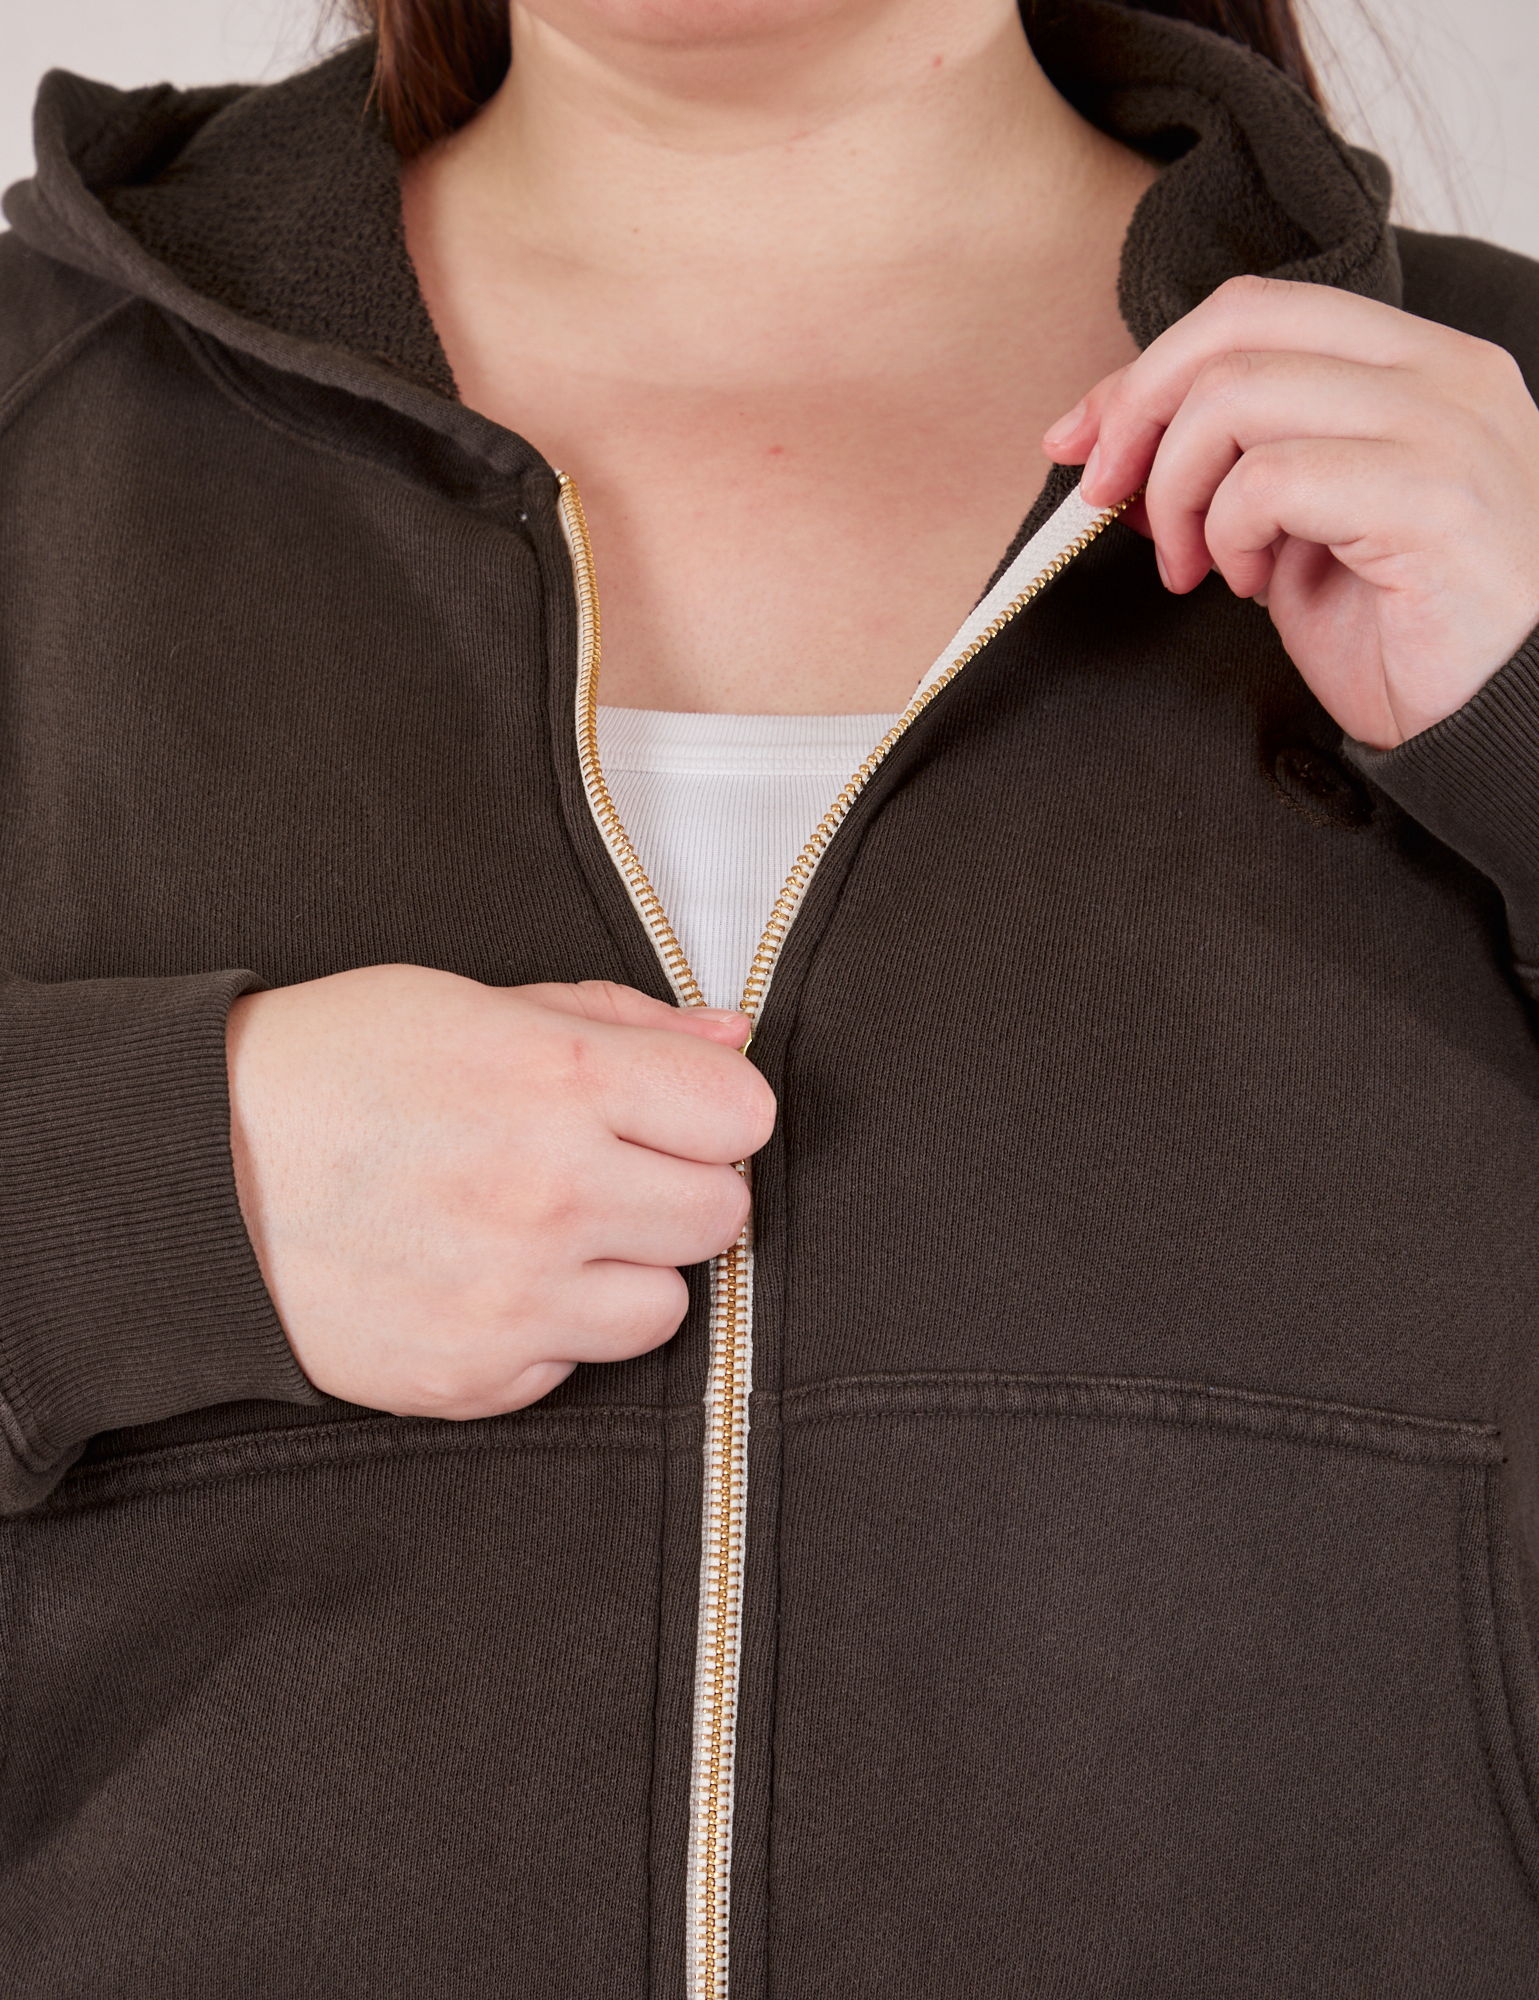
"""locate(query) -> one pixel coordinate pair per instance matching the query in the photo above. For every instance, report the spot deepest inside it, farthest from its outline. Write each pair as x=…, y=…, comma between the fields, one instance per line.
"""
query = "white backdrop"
x=1446, y=89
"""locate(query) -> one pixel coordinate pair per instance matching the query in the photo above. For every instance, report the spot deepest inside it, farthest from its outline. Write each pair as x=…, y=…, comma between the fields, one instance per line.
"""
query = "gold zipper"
x=730, y=1374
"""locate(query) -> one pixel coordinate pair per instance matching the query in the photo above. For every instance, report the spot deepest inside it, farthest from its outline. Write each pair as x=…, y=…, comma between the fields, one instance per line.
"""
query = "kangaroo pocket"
x=1117, y=1688
x=357, y=1708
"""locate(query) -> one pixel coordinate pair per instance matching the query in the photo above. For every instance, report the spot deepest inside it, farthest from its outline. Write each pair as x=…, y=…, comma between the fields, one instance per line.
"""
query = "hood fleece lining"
x=280, y=204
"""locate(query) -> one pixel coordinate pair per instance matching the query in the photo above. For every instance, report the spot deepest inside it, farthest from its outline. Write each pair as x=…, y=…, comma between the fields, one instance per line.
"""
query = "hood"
x=1256, y=181
x=269, y=217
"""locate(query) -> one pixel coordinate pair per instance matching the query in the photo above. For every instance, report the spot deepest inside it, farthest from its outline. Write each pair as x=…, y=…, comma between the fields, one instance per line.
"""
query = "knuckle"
x=1503, y=369
x=1486, y=354
x=1258, y=476
x=491, y=1311
x=1226, y=374
x=741, y=1107
x=553, y=1210
x=722, y=1210
x=655, y=1306
x=1246, y=289
x=668, y=1304
x=531, y=1382
x=759, y=1111
x=735, y=1206
x=608, y=995
x=440, y=1386
x=479, y=1213
x=1123, y=396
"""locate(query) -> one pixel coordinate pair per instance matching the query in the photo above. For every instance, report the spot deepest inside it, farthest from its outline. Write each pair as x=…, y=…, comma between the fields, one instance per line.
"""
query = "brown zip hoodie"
x=1143, y=1494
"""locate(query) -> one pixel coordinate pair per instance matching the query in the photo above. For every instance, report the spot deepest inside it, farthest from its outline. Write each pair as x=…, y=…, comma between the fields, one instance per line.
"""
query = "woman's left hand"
x=1372, y=478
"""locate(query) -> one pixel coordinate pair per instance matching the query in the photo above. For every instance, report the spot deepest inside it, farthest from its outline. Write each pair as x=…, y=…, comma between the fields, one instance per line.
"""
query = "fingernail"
x=1159, y=563
x=720, y=1014
x=1092, y=467
x=1066, y=426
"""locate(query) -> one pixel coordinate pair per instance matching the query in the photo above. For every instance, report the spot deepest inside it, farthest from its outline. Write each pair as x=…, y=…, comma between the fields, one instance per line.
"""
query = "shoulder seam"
x=210, y=356
x=63, y=350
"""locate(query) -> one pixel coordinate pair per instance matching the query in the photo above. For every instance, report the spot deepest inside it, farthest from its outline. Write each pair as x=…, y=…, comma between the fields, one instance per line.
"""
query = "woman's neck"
x=810, y=142
x=793, y=301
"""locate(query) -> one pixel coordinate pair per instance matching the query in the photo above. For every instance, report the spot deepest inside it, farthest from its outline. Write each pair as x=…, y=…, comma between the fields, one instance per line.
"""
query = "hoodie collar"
x=270, y=218
x=1256, y=179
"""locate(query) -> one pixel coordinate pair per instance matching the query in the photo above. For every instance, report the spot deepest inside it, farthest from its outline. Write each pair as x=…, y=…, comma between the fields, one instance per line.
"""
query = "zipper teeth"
x=618, y=841
x=802, y=869
x=721, y=1605
x=729, y=1380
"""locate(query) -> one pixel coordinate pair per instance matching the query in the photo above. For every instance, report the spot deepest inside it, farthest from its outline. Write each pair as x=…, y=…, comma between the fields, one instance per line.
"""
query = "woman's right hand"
x=457, y=1192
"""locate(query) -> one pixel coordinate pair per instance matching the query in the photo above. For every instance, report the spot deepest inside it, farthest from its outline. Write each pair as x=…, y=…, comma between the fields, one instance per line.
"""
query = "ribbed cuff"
x=129, y=1290
x=1473, y=781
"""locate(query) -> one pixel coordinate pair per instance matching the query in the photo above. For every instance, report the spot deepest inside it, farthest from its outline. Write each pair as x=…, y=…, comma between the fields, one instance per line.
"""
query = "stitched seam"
x=65, y=349
x=659, y=1586
x=1403, y=1439
x=1494, y=1527
x=1467, y=1633
x=771, y=1713
x=1155, y=1422
x=11, y=1637
x=130, y=1479
x=91, y=1503
x=1469, y=1590
x=1145, y=1385
x=205, y=355
x=577, y=820
x=26, y=1454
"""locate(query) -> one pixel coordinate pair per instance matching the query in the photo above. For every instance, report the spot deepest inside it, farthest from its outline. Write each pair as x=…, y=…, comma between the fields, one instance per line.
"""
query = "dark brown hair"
x=440, y=60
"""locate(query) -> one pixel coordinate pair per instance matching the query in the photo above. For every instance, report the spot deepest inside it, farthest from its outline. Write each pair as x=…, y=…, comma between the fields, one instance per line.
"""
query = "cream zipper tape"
x=1071, y=527
x=719, y=1635
x=718, y=1644
x=638, y=886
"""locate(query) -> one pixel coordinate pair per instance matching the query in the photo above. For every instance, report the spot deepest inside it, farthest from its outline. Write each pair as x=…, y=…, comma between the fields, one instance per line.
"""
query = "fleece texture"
x=1143, y=1498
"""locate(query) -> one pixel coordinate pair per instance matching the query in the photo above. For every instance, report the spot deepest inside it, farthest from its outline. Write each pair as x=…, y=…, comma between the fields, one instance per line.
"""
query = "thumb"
x=623, y=1007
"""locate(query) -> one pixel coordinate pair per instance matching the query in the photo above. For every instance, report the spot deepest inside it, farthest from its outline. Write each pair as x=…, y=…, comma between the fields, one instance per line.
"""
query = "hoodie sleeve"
x=129, y=1290
x=1473, y=781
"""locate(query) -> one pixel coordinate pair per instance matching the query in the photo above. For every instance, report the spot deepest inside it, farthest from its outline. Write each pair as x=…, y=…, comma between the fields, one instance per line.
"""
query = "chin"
x=707, y=25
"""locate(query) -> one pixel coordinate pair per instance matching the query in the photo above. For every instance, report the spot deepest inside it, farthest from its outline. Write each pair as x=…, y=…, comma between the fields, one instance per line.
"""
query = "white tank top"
x=717, y=808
